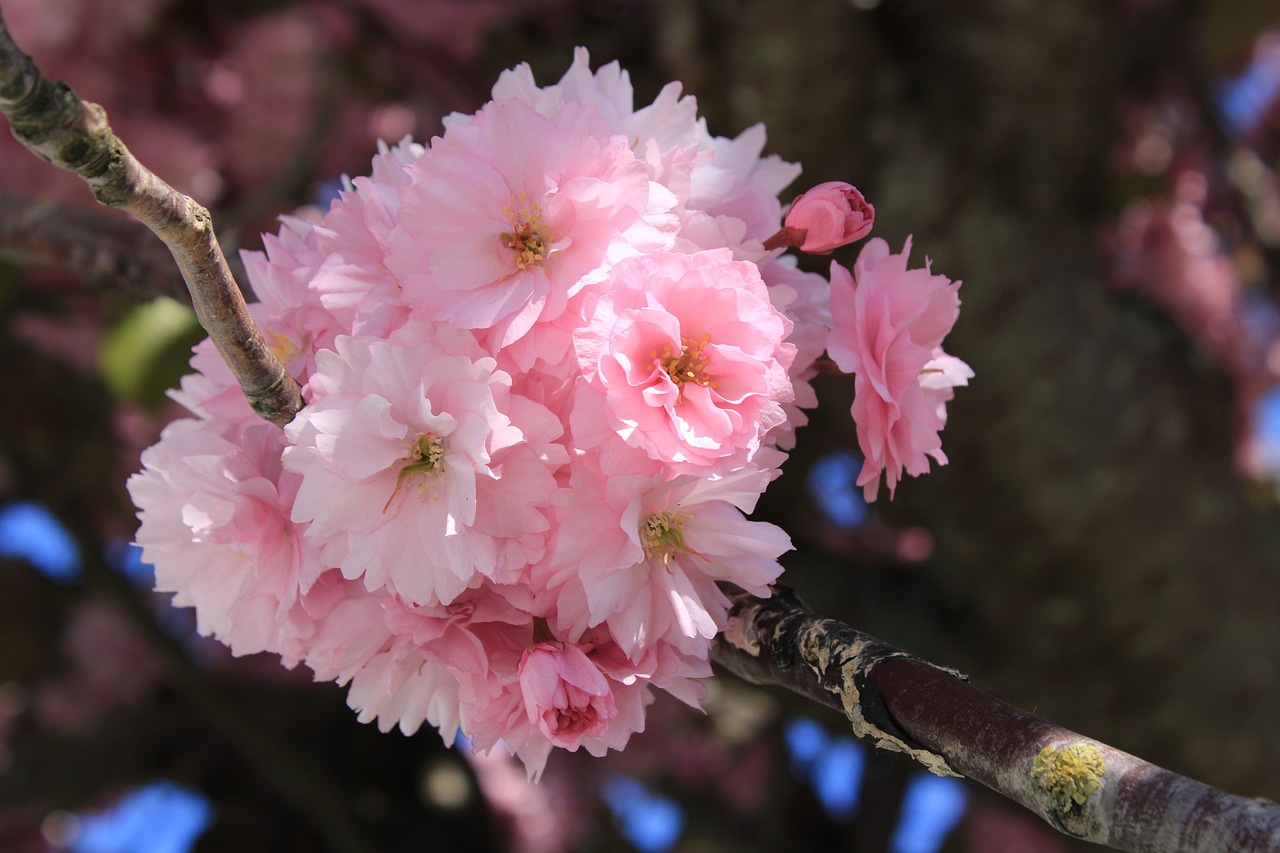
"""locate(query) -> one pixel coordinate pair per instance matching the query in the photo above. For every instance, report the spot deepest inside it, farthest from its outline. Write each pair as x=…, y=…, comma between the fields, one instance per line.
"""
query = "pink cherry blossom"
x=318, y=280
x=644, y=555
x=511, y=214
x=565, y=695
x=726, y=192
x=548, y=363
x=687, y=357
x=215, y=523
x=671, y=122
x=805, y=298
x=889, y=325
x=555, y=698
x=737, y=183
x=822, y=219
x=417, y=474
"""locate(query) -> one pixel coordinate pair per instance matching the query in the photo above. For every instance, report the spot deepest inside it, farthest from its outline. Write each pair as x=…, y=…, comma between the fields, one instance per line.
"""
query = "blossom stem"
x=785, y=238
x=1083, y=788
x=54, y=123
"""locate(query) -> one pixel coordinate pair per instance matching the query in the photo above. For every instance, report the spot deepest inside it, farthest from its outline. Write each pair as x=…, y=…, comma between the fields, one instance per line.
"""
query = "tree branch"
x=54, y=123
x=108, y=250
x=1083, y=788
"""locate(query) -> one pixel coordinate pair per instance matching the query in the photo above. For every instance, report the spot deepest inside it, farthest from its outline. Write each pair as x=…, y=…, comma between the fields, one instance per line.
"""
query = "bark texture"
x=1081, y=787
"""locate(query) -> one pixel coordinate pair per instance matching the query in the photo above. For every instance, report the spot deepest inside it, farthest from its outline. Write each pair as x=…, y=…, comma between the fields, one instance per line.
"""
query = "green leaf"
x=147, y=352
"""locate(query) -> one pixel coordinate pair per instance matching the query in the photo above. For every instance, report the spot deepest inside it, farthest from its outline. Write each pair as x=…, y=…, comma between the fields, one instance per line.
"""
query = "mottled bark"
x=55, y=124
x=1081, y=787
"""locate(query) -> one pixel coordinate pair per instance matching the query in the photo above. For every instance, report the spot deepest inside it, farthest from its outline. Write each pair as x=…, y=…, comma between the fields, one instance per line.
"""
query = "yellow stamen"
x=528, y=237
x=663, y=534
x=283, y=348
x=426, y=457
x=690, y=365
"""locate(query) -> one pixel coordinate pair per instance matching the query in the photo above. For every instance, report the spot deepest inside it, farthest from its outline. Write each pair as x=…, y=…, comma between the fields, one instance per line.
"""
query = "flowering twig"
x=54, y=123
x=1083, y=788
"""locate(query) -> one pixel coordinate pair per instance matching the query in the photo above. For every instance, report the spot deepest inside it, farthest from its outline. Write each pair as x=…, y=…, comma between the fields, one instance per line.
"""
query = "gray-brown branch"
x=54, y=123
x=1083, y=788
x=107, y=250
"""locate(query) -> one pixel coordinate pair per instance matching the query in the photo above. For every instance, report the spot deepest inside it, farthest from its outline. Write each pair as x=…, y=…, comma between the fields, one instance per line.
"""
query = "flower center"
x=663, y=534
x=426, y=458
x=690, y=365
x=528, y=237
x=283, y=347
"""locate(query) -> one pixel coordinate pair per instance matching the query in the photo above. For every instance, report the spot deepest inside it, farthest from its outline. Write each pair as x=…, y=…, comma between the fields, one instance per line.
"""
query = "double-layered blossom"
x=216, y=526
x=684, y=357
x=421, y=471
x=511, y=214
x=548, y=363
x=566, y=696
x=643, y=554
x=889, y=325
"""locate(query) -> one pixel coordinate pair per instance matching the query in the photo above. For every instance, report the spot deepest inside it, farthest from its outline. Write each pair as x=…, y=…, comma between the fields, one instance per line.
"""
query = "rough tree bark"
x=1081, y=787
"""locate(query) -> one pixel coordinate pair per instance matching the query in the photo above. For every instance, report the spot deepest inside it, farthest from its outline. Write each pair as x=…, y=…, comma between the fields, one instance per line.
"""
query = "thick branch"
x=51, y=120
x=1081, y=787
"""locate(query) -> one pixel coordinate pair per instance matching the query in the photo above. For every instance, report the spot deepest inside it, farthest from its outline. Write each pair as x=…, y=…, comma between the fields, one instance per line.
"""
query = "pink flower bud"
x=826, y=217
x=566, y=696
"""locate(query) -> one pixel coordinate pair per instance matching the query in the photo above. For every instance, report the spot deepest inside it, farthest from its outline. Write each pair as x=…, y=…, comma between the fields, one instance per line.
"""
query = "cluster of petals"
x=549, y=365
x=687, y=358
x=889, y=323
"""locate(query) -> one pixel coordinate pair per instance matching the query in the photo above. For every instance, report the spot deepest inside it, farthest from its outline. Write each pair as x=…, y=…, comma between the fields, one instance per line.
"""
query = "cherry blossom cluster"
x=550, y=363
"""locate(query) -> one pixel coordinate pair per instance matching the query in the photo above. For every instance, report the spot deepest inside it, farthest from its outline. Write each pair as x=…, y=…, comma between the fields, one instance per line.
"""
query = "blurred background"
x=1103, y=549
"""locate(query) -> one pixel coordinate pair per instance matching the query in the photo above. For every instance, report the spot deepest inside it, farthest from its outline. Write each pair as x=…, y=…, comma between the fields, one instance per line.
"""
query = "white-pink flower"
x=685, y=358
x=548, y=364
x=805, y=299
x=511, y=214
x=440, y=661
x=215, y=523
x=585, y=694
x=421, y=471
x=318, y=280
x=643, y=555
x=889, y=325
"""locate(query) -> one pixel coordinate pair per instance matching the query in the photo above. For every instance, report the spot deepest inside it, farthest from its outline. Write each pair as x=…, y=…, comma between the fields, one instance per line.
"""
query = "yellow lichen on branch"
x=1064, y=778
x=1082, y=788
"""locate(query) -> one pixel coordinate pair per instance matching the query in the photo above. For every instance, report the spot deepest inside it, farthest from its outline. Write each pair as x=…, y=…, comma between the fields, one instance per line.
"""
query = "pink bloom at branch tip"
x=549, y=368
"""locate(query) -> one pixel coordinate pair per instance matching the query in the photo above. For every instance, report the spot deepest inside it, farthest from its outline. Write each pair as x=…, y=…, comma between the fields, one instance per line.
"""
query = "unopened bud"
x=826, y=217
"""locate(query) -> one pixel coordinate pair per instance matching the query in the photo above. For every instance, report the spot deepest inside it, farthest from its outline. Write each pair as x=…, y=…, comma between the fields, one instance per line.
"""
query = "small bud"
x=826, y=217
